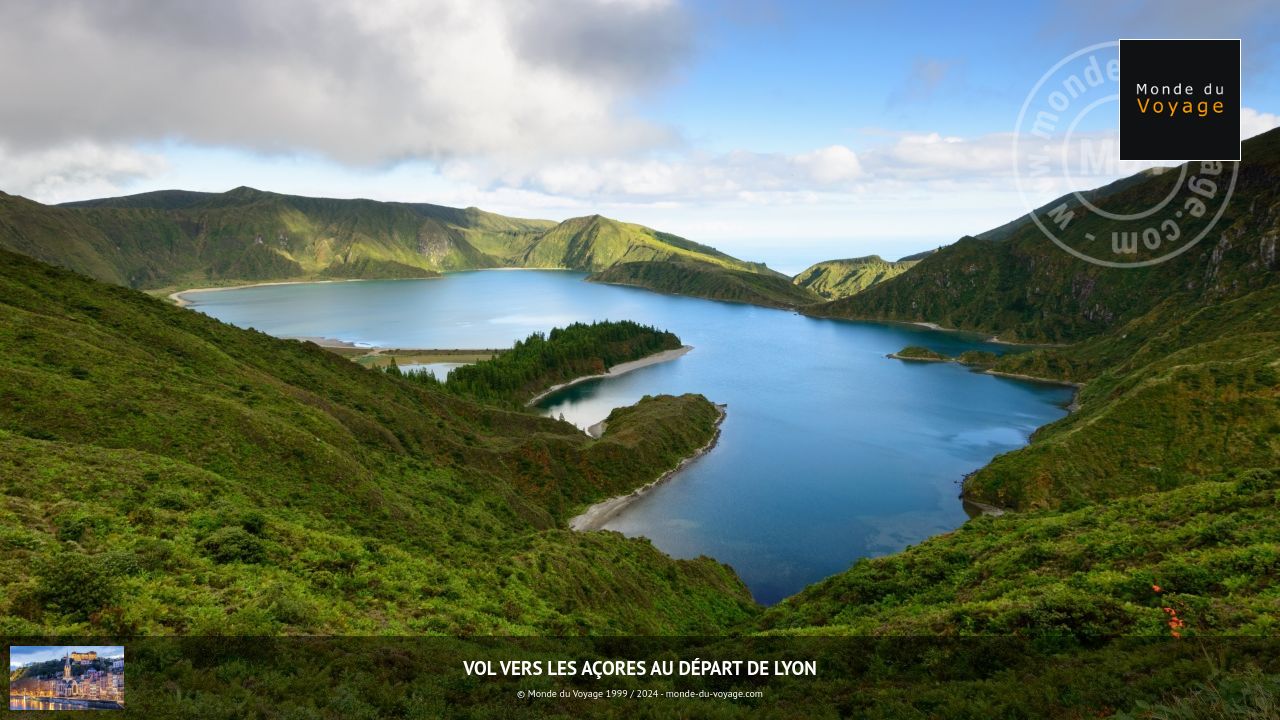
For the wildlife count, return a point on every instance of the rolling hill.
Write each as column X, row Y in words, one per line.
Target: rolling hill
column 1014, row 282
column 166, row 473
column 1142, row 524
column 180, row 238
column 757, row 286
column 834, row 279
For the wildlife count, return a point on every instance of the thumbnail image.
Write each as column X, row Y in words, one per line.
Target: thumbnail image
column 66, row 677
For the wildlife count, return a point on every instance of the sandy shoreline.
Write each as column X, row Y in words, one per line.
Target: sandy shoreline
column 616, row 370
column 180, row 301
column 177, row 297
column 594, row 517
column 1033, row 378
column 989, row 338
column 1073, row 406
column 983, row 508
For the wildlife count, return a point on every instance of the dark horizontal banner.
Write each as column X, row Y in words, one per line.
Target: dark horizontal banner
column 363, row 677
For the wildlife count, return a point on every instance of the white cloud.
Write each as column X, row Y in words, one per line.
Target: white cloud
column 829, row 165
column 692, row 177
column 1253, row 122
column 76, row 170
column 932, row 156
column 360, row 82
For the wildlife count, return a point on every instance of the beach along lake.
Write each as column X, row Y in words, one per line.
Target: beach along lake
column 829, row 451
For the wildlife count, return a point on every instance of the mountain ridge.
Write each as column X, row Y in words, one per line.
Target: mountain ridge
column 833, row 279
column 179, row 238
column 1013, row 282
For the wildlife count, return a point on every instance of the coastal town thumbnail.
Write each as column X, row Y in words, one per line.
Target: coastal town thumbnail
column 63, row 677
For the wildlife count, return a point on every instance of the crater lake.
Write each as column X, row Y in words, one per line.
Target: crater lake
column 829, row 452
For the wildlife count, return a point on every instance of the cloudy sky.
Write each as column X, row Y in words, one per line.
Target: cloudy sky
column 780, row 131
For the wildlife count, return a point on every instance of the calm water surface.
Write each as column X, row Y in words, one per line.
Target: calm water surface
column 830, row 451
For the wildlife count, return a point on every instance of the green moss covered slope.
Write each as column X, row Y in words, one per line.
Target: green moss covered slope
column 165, row 473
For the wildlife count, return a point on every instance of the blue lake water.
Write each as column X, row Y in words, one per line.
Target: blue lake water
column 830, row 451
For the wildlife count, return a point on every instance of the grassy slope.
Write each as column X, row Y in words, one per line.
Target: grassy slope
column 1165, row 475
column 699, row 279
column 1174, row 396
column 1212, row 547
column 216, row 480
column 1025, row 288
column 126, row 246
column 595, row 243
column 178, row 238
column 1181, row 377
column 832, row 279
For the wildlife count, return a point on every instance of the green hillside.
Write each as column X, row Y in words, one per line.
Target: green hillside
column 595, row 243
column 166, row 473
column 1086, row 574
column 1025, row 288
column 1148, row 512
column 706, row 280
column 1181, row 361
column 1164, row 475
column 1171, row 398
column 832, row 279
column 177, row 238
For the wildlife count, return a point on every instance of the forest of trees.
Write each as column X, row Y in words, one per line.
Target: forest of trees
column 544, row 359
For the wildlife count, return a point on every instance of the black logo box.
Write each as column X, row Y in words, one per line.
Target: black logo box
column 1185, row 67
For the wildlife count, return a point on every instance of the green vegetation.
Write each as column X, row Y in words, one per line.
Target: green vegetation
column 714, row 282
column 371, row 268
column 540, row 361
column 1014, row 283
column 175, row 239
column 834, row 279
column 165, row 473
column 1170, row 399
column 916, row 352
column 978, row 358
column 1165, row 476
column 1088, row 574
column 596, row 243
column 385, row 357
column 1178, row 360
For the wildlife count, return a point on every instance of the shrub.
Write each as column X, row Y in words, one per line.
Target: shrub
column 233, row 544
column 74, row 584
column 75, row 526
column 153, row 554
